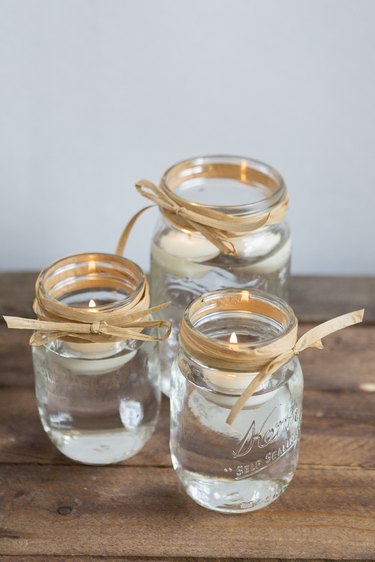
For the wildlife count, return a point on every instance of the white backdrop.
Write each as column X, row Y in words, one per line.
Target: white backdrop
column 96, row 94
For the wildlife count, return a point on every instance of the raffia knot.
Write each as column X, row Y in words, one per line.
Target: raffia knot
column 95, row 327
column 179, row 211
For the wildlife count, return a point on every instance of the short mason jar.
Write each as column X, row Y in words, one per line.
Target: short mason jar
column 98, row 402
column 184, row 264
column 247, row 465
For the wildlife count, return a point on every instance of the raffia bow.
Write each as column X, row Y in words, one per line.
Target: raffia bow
column 216, row 226
column 266, row 359
column 130, row 327
column 311, row 339
column 59, row 320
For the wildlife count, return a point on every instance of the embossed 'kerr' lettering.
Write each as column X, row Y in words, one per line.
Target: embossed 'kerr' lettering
column 266, row 435
column 245, row 470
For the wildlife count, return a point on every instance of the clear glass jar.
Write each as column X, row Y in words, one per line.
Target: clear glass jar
column 98, row 402
column 184, row 264
column 247, row 465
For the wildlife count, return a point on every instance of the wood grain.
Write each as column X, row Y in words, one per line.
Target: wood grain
column 54, row 509
column 122, row 511
column 314, row 299
column 346, row 363
column 17, row 293
column 338, row 430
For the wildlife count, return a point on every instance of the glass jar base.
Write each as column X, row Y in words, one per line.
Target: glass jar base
column 228, row 496
column 99, row 448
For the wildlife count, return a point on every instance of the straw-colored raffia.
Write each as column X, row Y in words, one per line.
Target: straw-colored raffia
column 218, row 227
column 58, row 320
column 265, row 360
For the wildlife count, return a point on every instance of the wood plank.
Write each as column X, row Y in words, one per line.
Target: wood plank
column 16, row 367
column 17, row 293
column 346, row 363
column 120, row 511
column 338, row 430
column 52, row 558
column 314, row 298
column 74, row 558
column 37, row 558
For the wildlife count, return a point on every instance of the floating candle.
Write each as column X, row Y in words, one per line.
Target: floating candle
column 231, row 381
column 95, row 358
column 182, row 253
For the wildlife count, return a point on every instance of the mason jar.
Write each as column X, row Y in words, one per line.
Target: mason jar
column 98, row 401
column 185, row 264
column 247, row 465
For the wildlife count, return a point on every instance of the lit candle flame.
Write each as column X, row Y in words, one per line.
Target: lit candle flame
column 92, row 303
column 233, row 338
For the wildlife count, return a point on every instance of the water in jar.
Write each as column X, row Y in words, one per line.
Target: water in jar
column 243, row 467
column 97, row 410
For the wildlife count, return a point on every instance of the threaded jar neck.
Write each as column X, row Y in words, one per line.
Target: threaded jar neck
column 110, row 280
column 231, row 184
column 239, row 330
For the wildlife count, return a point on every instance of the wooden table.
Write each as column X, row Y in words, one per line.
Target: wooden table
column 54, row 509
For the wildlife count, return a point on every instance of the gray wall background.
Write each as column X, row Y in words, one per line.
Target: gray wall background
column 96, row 94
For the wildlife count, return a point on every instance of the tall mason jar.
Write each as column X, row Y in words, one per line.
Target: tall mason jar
column 185, row 264
column 98, row 402
column 247, row 465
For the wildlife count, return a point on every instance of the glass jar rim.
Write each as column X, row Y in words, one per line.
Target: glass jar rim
column 83, row 264
column 239, row 168
column 280, row 307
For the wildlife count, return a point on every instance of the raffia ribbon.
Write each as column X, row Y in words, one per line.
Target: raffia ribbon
column 216, row 226
column 267, row 359
column 58, row 320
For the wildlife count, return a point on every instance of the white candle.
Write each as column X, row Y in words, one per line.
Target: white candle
column 258, row 244
column 231, row 381
column 88, row 358
column 92, row 350
column 273, row 263
column 181, row 253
